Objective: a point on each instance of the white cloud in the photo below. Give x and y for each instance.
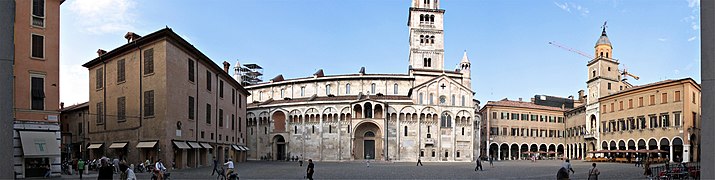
(564, 6)
(74, 84)
(676, 72)
(104, 16)
(691, 38)
(693, 3)
(662, 39)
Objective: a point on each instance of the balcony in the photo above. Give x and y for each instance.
(429, 141)
(590, 135)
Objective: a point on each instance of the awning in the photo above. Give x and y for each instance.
(117, 145)
(242, 148)
(149, 144)
(39, 144)
(95, 146)
(206, 145)
(181, 145)
(236, 148)
(246, 147)
(194, 145)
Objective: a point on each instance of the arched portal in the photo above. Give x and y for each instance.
(677, 150)
(504, 151)
(279, 146)
(368, 142)
(493, 149)
(524, 150)
(665, 146)
(514, 152)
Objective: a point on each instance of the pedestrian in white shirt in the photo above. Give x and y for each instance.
(229, 171)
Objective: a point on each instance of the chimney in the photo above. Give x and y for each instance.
(62, 105)
(580, 95)
(532, 100)
(519, 99)
(131, 37)
(101, 52)
(226, 66)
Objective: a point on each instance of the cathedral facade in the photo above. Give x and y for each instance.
(428, 113)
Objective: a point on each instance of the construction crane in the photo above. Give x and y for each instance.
(570, 49)
(625, 73)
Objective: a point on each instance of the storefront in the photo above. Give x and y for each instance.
(40, 151)
(192, 154)
(147, 150)
(205, 154)
(95, 150)
(119, 150)
(180, 148)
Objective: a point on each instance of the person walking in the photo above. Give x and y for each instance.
(130, 174)
(115, 162)
(647, 172)
(593, 173)
(567, 166)
(123, 170)
(491, 161)
(215, 170)
(80, 167)
(419, 161)
(311, 169)
(479, 164)
(562, 174)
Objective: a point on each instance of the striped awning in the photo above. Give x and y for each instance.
(206, 145)
(246, 147)
(181, 145)
(236, 148)
(117, 145)
(149, 144)
(194, 145)
(95, 146)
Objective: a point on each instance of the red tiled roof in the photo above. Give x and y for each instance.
(76, 106)
(522, 104)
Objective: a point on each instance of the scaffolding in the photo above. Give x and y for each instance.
(251, 74)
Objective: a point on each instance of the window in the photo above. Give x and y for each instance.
(640, 101)
(665, 119)
(652, 99)
(693, 97)
(120, 71)
(677, 96)
(100, 114)
(442, 100)
(405, 132)
(612, 107)
(80, 128)
(446, 120)
(630, 104)
(395, 88)
(446, 154)
(302, 91)
(295, 129)
(453, 100)
(191, 70)
(220, 88)
(38, 46)
(208, 113)
(664, 98)
(620, 104)
(191, 108)
(220, 117)
(202, 134)
(313, 129)
(99, 80)
(421, 102)
(330, 128)
(433, 153)
(239, 125)
(38, 93)
(676, 118)
(609, 84)
(494, 115)
(462, 131)
(422, 153)
(149, 103)
(347, 88)
(38, 13)
(428, 129)
(463, 101)
(282, 93)
(239, 100)
(514, 116)
(233, 96)
(327, 89)
(372, 88)
(122, 108)
(148, 61)
(653, 121)
(431, 99)
(208, 80)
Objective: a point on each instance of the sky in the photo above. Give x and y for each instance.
(507, 41)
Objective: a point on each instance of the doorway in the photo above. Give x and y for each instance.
(280, 146)
(369, 149)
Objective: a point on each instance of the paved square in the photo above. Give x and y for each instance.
(545, 169)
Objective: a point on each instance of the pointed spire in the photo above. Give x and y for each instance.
(465, 59)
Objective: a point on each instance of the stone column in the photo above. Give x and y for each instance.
(499, 153)
(707, 50)
(671, 152)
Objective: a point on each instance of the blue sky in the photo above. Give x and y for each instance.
(507, 41)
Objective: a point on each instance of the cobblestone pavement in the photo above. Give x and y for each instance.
(545, 169)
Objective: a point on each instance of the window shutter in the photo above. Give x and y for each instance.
(149, 61)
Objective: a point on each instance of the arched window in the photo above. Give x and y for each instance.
(395, 88)
(429, 62)
(282, 92)
(372, 88)
(347, 88)
(431, 99)
(425, 62)
(421, 102)
(431, 18)
(422, 39)
(368, 110)
(369, 134)
(327, 89)
(432, 39)
(453, 100)
(422, 17)
(446, 120)
(594, 73)
(606, 54)
(601, 54)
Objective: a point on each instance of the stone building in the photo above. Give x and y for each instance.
(158, 97)
(616, 117)
(73, 127)
(428, 113)
(36, 68)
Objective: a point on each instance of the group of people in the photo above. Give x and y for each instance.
(221, 172)
(563, 172)
(107, 169)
